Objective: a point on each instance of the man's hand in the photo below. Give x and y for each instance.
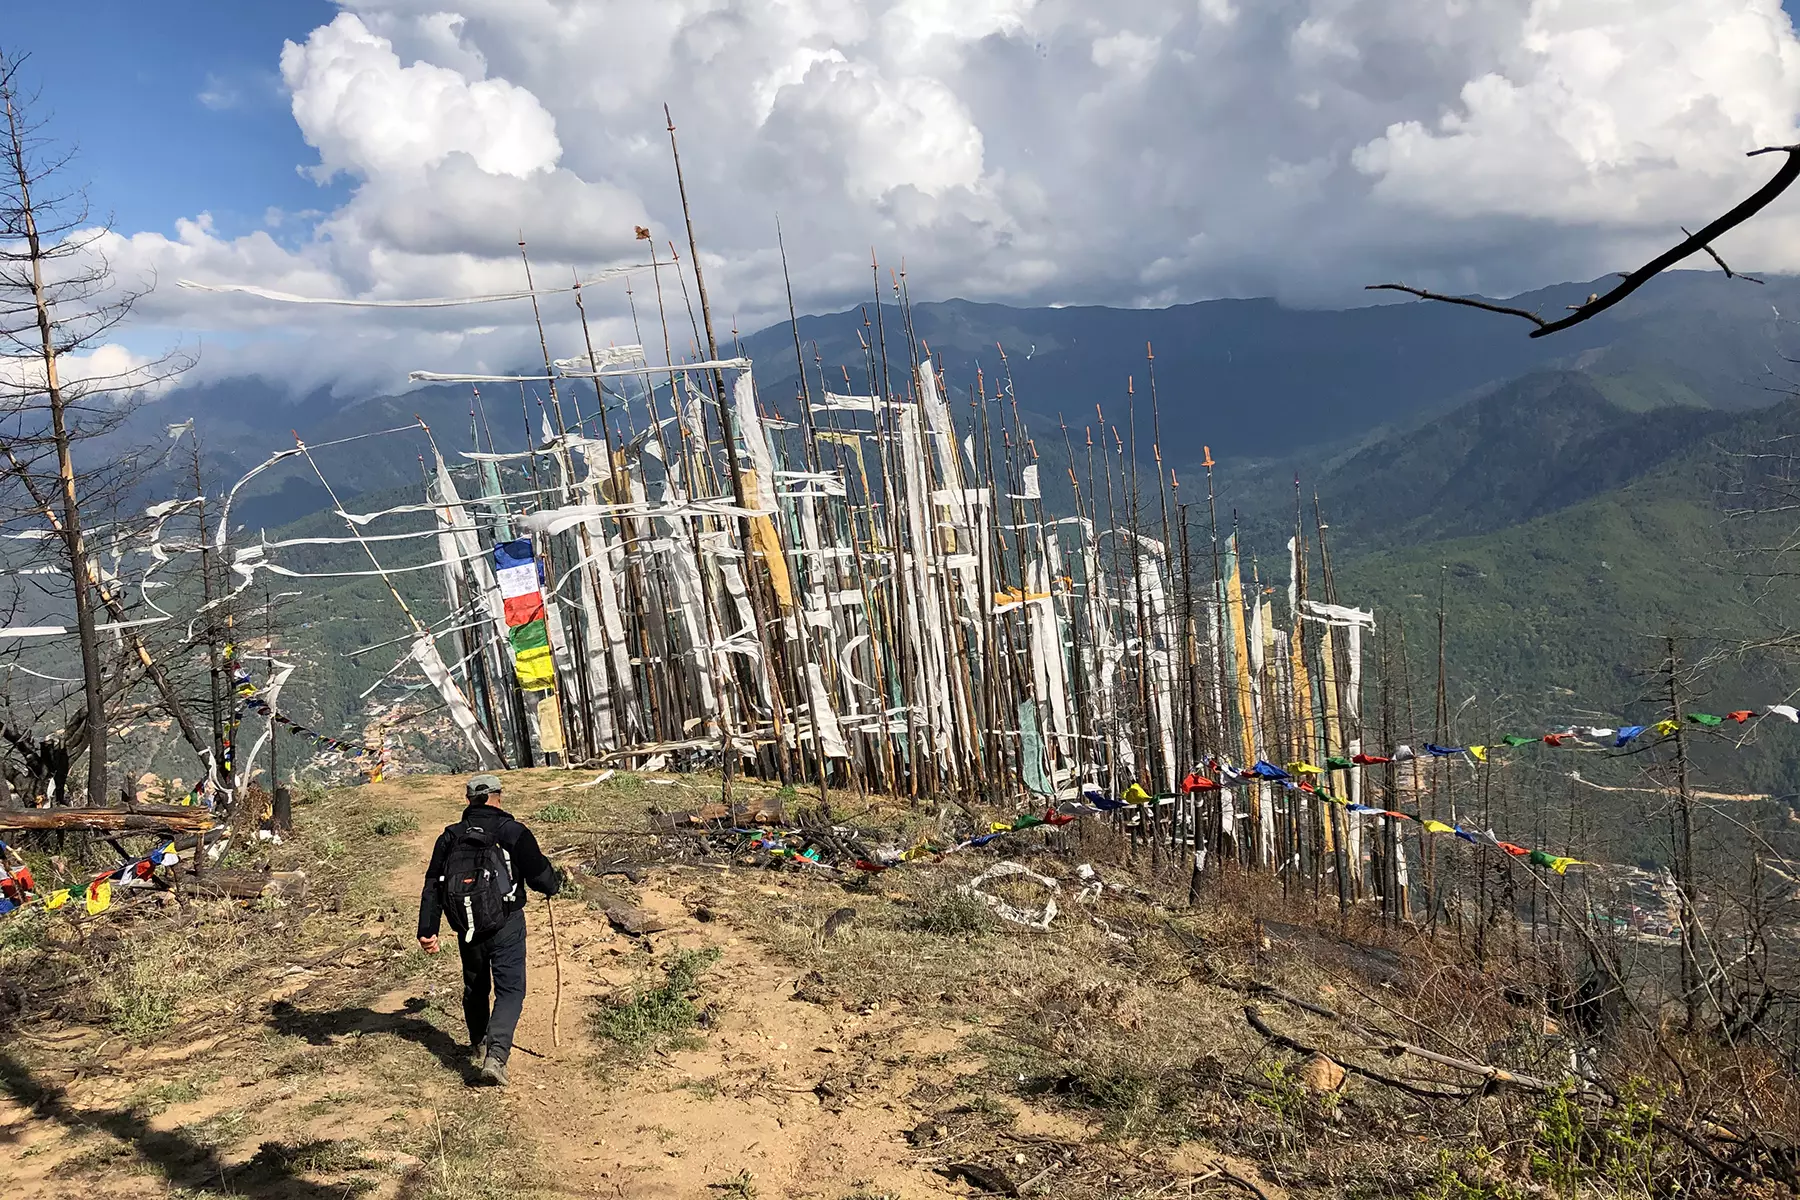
(429, 944)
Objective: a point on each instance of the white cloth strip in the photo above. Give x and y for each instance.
(40, 674)
(249, 289)
(56, 630)
(607, 356)
(351, 541)
(453, 377)
(717, 364)
(1337, 614)
(556, 520)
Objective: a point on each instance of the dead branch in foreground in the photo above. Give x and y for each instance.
(1632, 281)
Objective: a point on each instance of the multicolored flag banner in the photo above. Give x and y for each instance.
(522, 593)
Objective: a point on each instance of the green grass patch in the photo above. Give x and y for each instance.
(393, 823)
(660, 1016)
(472, 1154)
(21, 933)
(742, 1185)
(320, 1156)
(950, 911)
(141, 999)
(557, 813)
(155, 1099)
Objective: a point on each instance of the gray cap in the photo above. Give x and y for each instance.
(480, 787)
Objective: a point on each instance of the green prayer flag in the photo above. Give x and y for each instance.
(1540, 858)
(1514, 740)
(1706, 719)
(1339, 764)
(1026, 821)
(530, 636)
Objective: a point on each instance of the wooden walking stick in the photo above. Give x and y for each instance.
(556, 957)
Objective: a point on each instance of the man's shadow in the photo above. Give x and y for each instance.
(180, 1157)
(322, 1028)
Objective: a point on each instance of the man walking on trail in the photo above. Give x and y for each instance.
(477, 877)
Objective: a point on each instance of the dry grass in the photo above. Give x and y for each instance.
(161, 977)
(1121, 1029)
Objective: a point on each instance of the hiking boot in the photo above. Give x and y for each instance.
(492, 1073)
(478, 1054)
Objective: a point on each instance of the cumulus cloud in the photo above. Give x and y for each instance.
(1132, 152)
(369, 115)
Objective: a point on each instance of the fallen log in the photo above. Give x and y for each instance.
(145, 818)
(627, 918)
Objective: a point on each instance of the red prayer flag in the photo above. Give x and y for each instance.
(1741, 715)
(523, 610)
(1369, 760)
(1052, 817)
(1196, 782)
(1515, 851)
(1553, 739)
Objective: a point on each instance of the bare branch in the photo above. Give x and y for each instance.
(1466, 301)
(1632, 281)
(1723, 265)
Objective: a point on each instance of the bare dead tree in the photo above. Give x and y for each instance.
(1631, 281)
(59, 302)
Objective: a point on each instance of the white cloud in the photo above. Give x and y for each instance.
(1125, 51)
(1222, 11)
(1036, 151)
(367, 114)
(108, 369)
(1603, 112)
(219, 94)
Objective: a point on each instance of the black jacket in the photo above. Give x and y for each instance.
(528, 862)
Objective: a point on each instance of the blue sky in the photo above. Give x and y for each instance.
(175, 106)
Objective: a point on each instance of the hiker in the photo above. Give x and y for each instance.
(477, 877)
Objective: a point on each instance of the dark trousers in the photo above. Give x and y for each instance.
(496, 961)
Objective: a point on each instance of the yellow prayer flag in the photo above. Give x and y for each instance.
(1480, 753)
(99, 896)
(1304, 768)
(536, 670)
(57, 899)
(1561, 865)
(1000, 827)
(1665, 728)
(1437, 827)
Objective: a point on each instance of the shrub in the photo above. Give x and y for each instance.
(951, 911)
(394, 823)
(652, 1017)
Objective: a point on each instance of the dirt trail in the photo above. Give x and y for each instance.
(807, 1099)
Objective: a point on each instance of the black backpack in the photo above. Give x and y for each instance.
(477, 881)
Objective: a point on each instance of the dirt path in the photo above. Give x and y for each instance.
(808, 1099)
(212, 1049)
